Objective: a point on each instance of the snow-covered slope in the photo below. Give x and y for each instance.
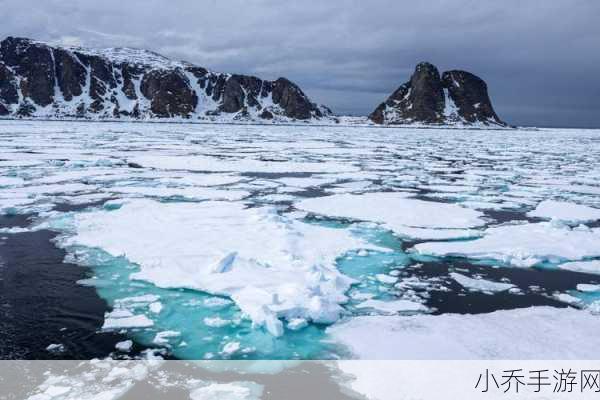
(41, 80)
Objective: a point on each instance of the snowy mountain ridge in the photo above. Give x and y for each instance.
(47, 81)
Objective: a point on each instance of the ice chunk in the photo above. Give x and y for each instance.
(399, 212)
(231, 348)
(155, 307)
(480, 285)
(216, 322)
(296, 324)
(586, 287)
(56, 348)
(393, 306)
(124, 346)
(567, 298)
(383, 278)
(564, 211)
(521, 334)
(588, 267)
(282, 267)
(522, 245)
(134, 321)
(162, 338)
(228, 391)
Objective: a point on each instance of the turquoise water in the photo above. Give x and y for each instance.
(184, 311)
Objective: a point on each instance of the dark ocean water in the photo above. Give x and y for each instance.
(41, 302)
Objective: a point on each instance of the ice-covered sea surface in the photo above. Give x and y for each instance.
(311, 242)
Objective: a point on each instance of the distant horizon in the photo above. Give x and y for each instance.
(539, 59)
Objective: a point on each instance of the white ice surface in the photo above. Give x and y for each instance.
(398, 212)
(392, 306)
(565, 211)
(228, 391)
(523, 245)
(480, 285)
(589, 267)
(521, 334)
(269, 265)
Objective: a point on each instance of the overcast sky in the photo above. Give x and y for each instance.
(540, 58)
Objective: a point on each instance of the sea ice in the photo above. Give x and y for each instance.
(228, 391)
(398, 212)
(522, 245)
(124, 346)
(521, 334)
(212, 164)
(480, 285)
(114, 321)
(271, 266)
(588, 267)
(565, 211)
(393, 306)
(585, 287)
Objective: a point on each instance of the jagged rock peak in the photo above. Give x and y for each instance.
(42, 80)
(454, 98)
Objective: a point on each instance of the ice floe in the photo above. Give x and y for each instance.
(521, 334)
(392, 306)
(480, 285)
(564, 211)
(523, 245)
(269, 265)
(588, 267)
(228, 391)
(400, 213)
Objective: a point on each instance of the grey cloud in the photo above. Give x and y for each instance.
(540, 58)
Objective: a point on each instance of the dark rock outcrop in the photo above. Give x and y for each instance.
(8, 90)
(291, 98)
(469, 94)
(455, 97)
(37, 79)
(169, 92)
(34, 65)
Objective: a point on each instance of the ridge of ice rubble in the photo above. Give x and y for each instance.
(523, 245)
(521, 334)
(400, 213)
(272, 267)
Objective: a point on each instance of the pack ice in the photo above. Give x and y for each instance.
(271, 266)
(523, 245)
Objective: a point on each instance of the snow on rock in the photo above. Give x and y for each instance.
(522, 245)
(480, 285)
(397, 211)
(521, 334)
(271, 266)
(565, 211)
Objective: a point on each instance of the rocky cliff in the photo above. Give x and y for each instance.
(40, 80)
(452, 98)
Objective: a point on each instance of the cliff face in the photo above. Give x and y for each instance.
(40, 80)
(455, 97)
